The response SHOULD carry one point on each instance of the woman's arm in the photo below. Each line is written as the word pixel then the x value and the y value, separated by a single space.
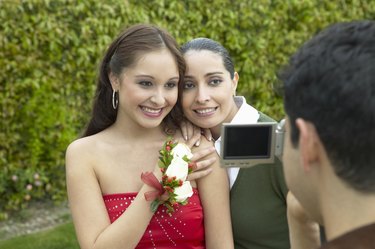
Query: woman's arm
pixel 214 194
pixel 90 216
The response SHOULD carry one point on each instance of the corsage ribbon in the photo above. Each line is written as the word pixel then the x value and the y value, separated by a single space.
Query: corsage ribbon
pixel 175 164
pixel 150 179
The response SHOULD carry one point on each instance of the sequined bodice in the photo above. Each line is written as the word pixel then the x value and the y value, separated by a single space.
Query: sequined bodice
pixel 183 229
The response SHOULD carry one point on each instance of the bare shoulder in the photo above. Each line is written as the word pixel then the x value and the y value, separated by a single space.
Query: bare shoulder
pixel 81 145
pixel 81 152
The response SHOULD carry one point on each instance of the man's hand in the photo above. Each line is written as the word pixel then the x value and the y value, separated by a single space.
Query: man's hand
pixel 304 232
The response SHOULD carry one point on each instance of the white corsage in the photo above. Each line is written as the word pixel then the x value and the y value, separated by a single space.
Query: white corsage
pixel 175 165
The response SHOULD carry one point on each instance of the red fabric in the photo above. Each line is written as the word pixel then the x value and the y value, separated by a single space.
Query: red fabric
pixel 184 229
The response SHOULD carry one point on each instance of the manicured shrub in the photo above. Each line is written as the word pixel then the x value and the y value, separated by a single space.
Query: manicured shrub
pixel 50 51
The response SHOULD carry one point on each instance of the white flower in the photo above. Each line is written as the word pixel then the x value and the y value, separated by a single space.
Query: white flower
pixel 14 178
pixel 180 150
pixel 178 168
pixel 183 192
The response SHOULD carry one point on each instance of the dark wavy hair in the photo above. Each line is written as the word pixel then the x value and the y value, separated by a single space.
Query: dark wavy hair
pixel 124 52
pixel 330 82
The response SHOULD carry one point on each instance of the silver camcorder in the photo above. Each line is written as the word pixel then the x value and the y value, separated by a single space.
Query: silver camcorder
pixel 247 145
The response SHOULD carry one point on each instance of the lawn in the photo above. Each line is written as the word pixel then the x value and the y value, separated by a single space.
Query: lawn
pixel 60 237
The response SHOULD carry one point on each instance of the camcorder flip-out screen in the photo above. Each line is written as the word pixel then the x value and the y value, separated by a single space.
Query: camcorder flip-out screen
pixel 246 145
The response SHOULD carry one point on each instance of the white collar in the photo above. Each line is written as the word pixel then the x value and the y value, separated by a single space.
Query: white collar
pixel 246 114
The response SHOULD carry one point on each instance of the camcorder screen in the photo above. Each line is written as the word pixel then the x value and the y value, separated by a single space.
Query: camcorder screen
pixel 246 143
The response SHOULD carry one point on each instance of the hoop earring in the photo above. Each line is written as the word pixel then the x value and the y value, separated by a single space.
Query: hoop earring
pixel 114 100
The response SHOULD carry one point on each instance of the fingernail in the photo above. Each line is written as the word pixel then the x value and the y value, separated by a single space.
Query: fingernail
pixel 197 143
pixel 186 138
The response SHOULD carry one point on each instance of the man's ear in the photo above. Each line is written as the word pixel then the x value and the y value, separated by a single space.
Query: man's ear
pixel 115 82
pixel 309 143
pixel 235 79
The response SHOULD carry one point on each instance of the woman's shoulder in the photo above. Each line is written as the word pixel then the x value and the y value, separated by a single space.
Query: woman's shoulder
pixel 83 150
pixel 265 118
pixel 82 144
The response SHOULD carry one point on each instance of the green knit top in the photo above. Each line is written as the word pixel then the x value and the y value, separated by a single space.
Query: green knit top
pixel 258 206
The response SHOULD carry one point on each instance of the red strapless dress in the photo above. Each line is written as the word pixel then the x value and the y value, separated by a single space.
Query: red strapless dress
pixel 183 229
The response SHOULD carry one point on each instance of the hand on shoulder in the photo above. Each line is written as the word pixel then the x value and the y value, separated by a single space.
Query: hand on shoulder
pixel 204 155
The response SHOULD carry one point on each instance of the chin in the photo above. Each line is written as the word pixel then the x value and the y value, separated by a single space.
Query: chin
pixel 150 125
pixel 202 123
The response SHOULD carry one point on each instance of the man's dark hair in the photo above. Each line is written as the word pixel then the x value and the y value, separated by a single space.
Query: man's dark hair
pixel 330 82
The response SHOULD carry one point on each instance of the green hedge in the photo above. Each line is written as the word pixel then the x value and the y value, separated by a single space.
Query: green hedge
pixel 50 50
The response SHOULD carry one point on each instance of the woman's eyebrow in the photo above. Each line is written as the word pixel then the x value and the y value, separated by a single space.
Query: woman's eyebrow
pixel 144 76
pixel 213 73
pixel 174 78
pixel 151 77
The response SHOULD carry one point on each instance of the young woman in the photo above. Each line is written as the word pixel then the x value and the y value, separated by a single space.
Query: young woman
pixel 133 110
pixel 258 194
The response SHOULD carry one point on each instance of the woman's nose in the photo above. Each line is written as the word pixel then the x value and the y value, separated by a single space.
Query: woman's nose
pixel 202 96
pixel 158 98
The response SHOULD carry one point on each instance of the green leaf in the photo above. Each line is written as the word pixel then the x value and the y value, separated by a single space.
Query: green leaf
pixel 154 205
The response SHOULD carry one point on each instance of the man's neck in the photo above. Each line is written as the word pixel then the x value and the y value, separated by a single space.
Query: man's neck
pixel 346 211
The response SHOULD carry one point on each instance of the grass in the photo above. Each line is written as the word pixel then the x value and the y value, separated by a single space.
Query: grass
pixel 60 237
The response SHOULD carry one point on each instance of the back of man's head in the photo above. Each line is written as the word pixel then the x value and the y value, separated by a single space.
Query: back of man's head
pixel 330 82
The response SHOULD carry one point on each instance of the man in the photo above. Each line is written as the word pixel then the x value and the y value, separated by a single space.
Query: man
pixel 329 148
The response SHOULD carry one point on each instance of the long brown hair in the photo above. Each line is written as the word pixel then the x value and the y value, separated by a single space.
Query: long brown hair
pixel 122 53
